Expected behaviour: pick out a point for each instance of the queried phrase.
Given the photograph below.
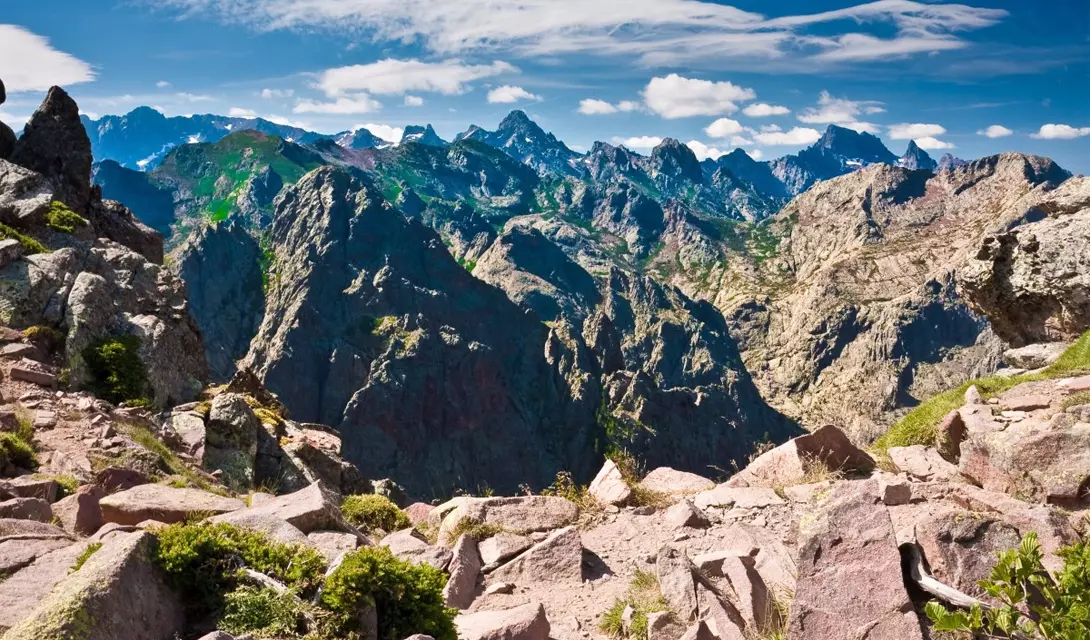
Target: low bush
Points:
(262, 613)
(61, 218)
(30, 245)
(644, 596)
(202, 560)
(372, 512)
(117, 372)
(16, 451)
(407, 597)
(1061, 612)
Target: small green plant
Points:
(61, 218)
(631, 472)
(644, 596)
(44, 337)
(1076, 400)
(407, 597)
(86, 555)
(263, 613)
(1060, 608)
(477, 530)
(566, 487)
(17, 451)
(169, 460)
(68, 484)
(30, 245)
(203, 561)
(117, 372)
(372, 512)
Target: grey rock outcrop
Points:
(55, 145)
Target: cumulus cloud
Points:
(395, 77)
(414, 101)
(649, 32)
(995, 131)
(384, 131)
(842, 112)
(193, 97)
(797, 136)
(912, 131)
(638, 142)
(280, 120)
(740, 141)
(929, 143)
(723, 128)
(675, 96)
(756, 154)
(703, 151)
(508, 94)
(163, 84)
(344, 105)
(239, 112)
(28, 62)
(595, 107)
(269, 94)
(763, 110)
(1060, 132)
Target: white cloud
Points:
(740, 141)
(577, 147)
(28, 62)
(914, 130)
(677, 97)
(797, 136)
(703, 151)
(842, 112)
(508, 94)
(238, 112)
(390, 76)
(763, 110)
(384, 131)
(769, 128)
(344, 105)
(163, 84)
(995, 131)
(756, 154)
(277, 93)
(18, 121)
(723, 128)
(647, 32)
(280, 120)
(193, 97)
(639, 142)
(929, 143)
(1060, 132)
(414, 101)
(595, 107)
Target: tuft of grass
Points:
(167, 458)
(644, 596)
(1080, 398)
(371, 512)
(779, 603)
(918, 426)
(61, 218)
(68, 483)
(566, 487)
(30, 245)
(85, 556)
(476, 530)
(631, 472)
(17, 451)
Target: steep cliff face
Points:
(853, 312)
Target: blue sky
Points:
(972, 79)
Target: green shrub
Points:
(117, 372)
(371, 512)
(44, 337)
(202, 561)
(407, 597)
(261, 612)
(477, 530)
(1062, 612)
(17, 451)
(644, 596)
(30, 245)
(86, 555)
(61, 218)
(918, 425)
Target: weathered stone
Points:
(27, 371)
(807, 492)
(609, 487)
(849, 573)
(332, 543)
(231, 434)
(10, 251)
(19, 551)
(961, 547)
(311, 509)
(30, 487)
(163, 503)
(55, 145)
(713, 607)
(270, 524)
(217, 635)
(117, 593)
(465, 568)
(674, 483)
(727, 495)
(521, 514)
(677, 582)
(527, 622)
(114, 479)
(789, 463)
(24, 591)
(1035, 356)
(699, 631)
(685, 514)
(190, 430)
(949, 435)
(409, 544)
(417, 512)
(1028, 402)
(558, 558)
(893, 489)
(662, 625)
(922, 463)
(80, 512)
(752, 598)
(26, 509)
(501, 547)
(972, 396)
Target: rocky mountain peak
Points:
(423, 135)
(673, 159)
(854, 146)
(916, 158)
(55, 145)
(517, 121)
(522, 139)
(948, 162)
(359, 139)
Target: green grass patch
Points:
(17, 451)
(918, 426)
(372, 512)
(86, 555)
(117, 372)
(263, 613)
(61, 218)
(170, 460)
(645, 597)
(479, 531)
(30, 245)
